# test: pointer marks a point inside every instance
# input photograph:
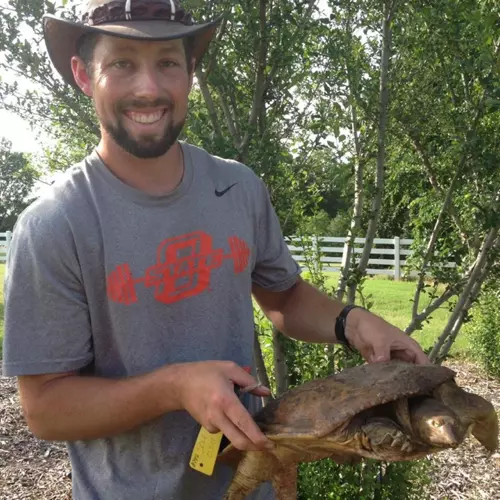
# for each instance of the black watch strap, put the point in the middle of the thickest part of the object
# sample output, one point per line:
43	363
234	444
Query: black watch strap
341	322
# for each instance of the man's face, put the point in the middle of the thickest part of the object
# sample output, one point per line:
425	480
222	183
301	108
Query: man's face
140	92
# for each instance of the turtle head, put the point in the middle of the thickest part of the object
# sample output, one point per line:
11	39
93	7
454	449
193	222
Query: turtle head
436	424
440	430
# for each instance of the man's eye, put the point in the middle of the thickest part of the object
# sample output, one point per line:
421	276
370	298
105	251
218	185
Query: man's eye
121	64
168	63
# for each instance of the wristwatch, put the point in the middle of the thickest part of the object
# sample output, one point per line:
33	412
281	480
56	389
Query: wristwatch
340	324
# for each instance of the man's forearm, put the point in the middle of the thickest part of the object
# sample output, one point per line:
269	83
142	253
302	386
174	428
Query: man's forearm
82	408
307	314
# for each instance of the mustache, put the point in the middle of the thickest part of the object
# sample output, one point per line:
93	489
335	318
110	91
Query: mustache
142	104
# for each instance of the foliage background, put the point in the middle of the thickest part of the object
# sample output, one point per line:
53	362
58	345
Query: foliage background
374	118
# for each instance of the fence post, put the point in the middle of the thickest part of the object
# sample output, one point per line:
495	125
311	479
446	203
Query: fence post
8	238
397	258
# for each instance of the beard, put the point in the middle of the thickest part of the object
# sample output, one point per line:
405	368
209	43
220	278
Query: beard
147	146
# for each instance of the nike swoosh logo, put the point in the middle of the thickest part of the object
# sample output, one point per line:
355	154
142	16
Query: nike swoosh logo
222	193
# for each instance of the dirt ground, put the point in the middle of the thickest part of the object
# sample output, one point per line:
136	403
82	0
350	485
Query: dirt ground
34	470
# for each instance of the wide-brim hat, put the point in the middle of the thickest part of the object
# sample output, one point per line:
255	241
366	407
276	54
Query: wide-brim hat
151	20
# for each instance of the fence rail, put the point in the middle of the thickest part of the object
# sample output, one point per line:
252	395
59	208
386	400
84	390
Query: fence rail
4	245
388	255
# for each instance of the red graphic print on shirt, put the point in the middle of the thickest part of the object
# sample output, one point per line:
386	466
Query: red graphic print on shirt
183	269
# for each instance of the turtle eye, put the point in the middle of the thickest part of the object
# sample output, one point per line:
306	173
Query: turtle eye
437	423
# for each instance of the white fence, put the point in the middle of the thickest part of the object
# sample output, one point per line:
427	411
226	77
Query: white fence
4	245
388	255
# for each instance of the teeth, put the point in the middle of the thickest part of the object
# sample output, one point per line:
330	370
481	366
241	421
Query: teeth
146	117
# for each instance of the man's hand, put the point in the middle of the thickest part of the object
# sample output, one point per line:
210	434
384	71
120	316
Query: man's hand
206	392
304	313
377	340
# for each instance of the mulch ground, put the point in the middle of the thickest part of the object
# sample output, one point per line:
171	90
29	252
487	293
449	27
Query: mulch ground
468	472
31	469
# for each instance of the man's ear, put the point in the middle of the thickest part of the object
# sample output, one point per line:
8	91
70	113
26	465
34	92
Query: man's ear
81	75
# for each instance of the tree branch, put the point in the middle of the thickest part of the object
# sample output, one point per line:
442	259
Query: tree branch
465	297
260	79
463	312
383	119
434	183
280	367
215	52
436	304
212	112
358	178
259	364
230	121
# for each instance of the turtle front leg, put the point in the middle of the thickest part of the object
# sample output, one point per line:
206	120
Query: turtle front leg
385	439
285	483
254	469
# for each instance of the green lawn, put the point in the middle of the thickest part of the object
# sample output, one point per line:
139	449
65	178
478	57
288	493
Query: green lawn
2	274
391	301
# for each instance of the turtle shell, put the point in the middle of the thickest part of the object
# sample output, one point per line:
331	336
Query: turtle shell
317	407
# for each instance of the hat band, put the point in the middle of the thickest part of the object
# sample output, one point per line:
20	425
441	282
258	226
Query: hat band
137	10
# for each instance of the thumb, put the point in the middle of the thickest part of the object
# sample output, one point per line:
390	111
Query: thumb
381	353
241	377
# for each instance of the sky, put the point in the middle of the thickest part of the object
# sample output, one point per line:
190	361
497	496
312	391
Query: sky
17	130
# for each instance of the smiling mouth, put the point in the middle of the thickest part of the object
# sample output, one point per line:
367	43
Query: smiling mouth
149	118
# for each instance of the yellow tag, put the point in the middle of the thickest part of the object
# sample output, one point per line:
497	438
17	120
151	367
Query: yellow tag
205	452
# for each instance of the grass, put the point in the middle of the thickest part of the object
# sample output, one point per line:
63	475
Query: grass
391	300
2	274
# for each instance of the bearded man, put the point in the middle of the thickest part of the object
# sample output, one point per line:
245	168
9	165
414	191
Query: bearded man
128	294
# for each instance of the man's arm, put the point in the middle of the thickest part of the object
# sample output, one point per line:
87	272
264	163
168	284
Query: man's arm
69	407
304	313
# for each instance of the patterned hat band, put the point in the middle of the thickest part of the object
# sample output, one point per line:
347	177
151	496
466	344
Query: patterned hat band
137	10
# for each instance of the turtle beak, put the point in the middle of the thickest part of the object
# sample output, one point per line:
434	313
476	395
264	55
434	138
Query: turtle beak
450	435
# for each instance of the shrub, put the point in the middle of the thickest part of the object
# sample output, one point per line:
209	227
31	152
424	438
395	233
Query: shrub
325	479
484	331
370	480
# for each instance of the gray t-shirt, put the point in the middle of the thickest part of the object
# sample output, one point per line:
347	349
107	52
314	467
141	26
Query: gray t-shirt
113	282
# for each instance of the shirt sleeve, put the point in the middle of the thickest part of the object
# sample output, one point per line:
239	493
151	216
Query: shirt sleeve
47	326
275	269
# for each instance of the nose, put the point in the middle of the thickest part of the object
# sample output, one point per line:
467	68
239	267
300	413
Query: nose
451	432
147	84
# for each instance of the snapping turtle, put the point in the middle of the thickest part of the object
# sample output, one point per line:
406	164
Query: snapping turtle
392	411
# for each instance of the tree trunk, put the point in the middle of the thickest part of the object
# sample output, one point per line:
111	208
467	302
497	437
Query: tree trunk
259	364
358	181
476	289
383	115
436	304
202	81
430	247
280	367
432	242
466	296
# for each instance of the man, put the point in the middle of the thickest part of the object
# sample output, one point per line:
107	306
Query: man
128	290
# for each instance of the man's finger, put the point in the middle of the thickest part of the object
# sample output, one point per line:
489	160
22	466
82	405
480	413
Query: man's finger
237	438
381	353
413	350
421	358
240	417
243	379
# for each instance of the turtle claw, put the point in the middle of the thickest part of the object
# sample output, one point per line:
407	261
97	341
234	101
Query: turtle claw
397	442
407	447
385	436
